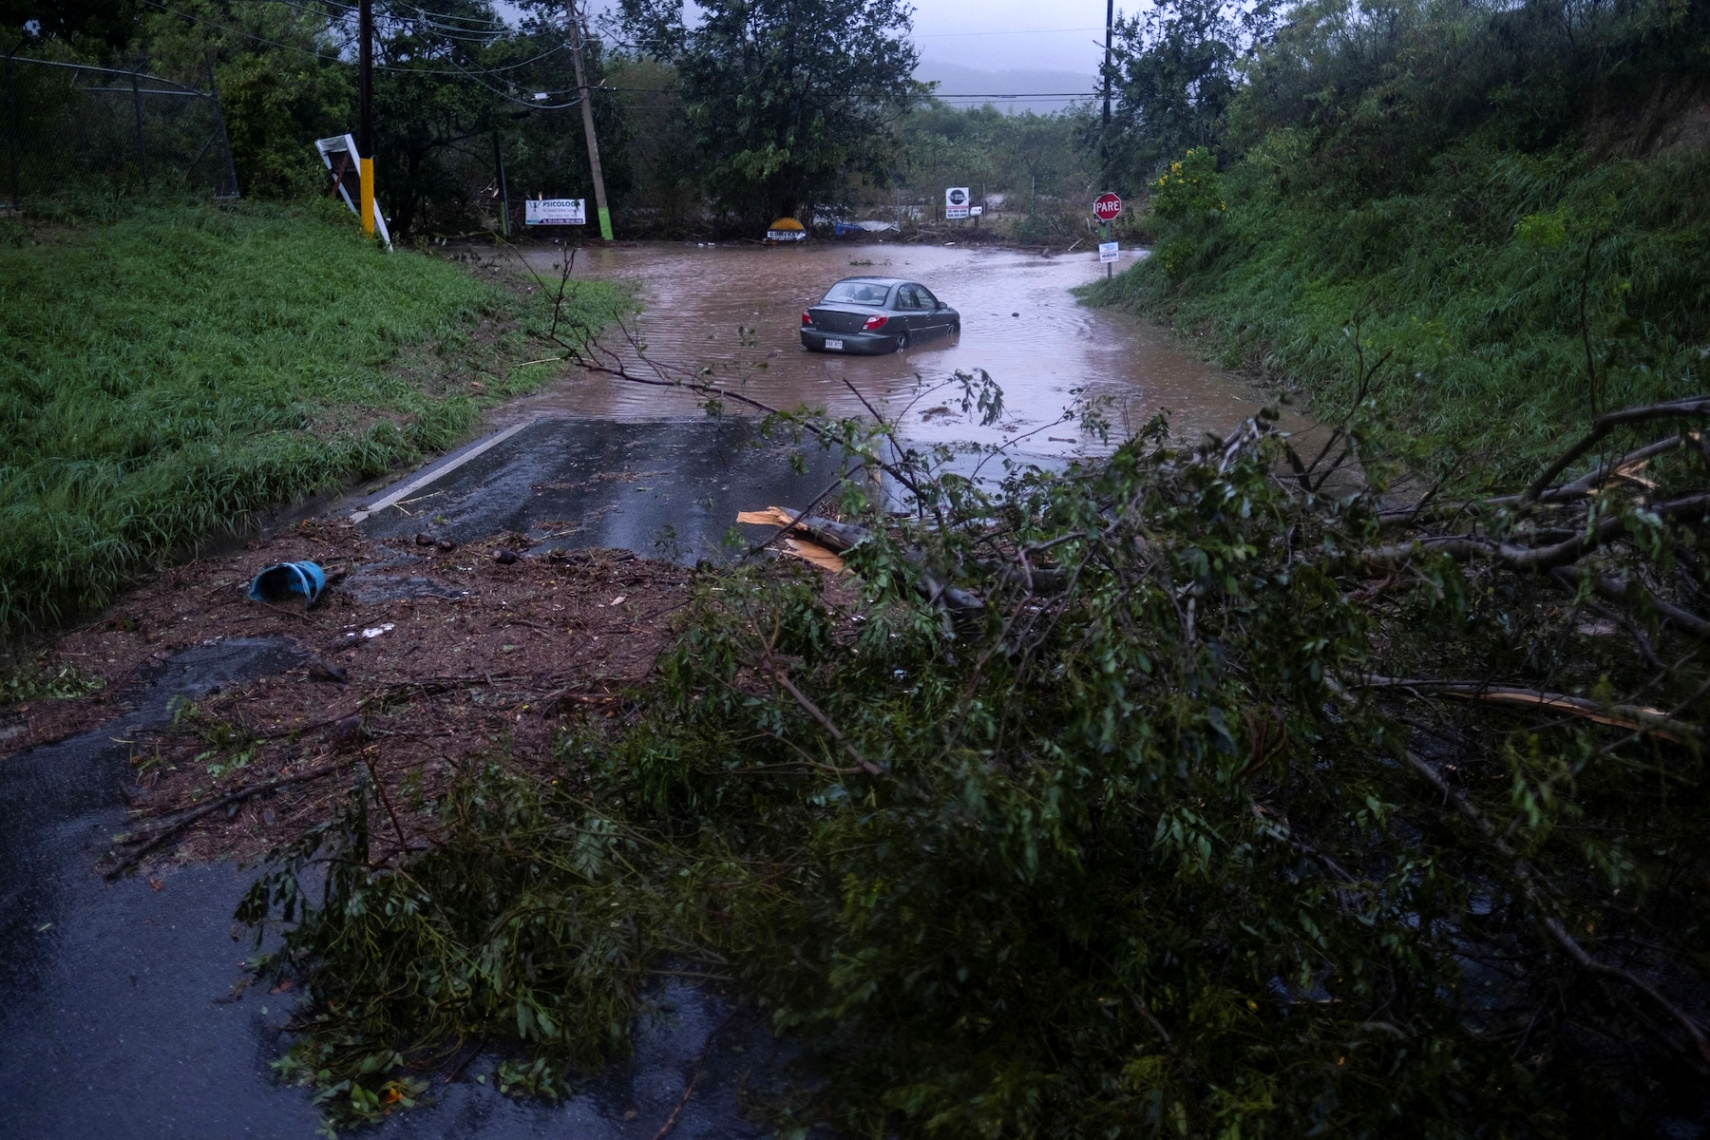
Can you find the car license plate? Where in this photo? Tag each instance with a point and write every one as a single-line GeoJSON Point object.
{"type": "Point", "coordinates": [833, 345]}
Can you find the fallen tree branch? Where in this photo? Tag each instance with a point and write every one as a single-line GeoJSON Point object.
{"type": "Point", "coordinates": [777, 674]}
{"type": "Point", "coordinates": [694, 1078]}
{"type": "Point", "coordinates": [1581, 488]}
{"type": "Point", "coordinates": [178, 826]}
{"type": "Point", "coordinates": [1529, 559]}
{"type": "Point", "coordinates": [1606, 423]}
{"type": "Point", "coordinates": [1615, 589]}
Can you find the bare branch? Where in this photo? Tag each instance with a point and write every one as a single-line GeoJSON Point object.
{"type": "Point", "coordinates": [1606, 423]}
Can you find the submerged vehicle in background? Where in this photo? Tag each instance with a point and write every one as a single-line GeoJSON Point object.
{"type": "Point", "coordinates": [873, 315]}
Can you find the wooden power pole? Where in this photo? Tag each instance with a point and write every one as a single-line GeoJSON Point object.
{"type": "Point", "coordinates": [365, 111]}
{"type": "Point", "coordinates": [588, 121]}
{"type": "Point", "coordinates": [1104, 136]}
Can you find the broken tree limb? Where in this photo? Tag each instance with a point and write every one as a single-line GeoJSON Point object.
{"type": "Point", "coordinates": [1634, 718]}
{"type": "Point", "coordinates": [1606, 423]}
{"type": "Point", "coordinates": [178, 825]}
{"type": "Point", "coordinates": [1531, 559]}
{"type": "Point", "coordinates": [839, 537]}
{"type": "Point", "coordinates": [1619, 590]}
{"type": "Point", "coordinates": [1582, 488]}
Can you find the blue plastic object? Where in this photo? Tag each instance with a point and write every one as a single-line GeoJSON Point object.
{"type": "Point", "coordinates": [288, 579]}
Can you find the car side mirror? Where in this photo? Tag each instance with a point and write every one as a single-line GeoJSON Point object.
{"type": "Point", "coordinates": [941, 305]}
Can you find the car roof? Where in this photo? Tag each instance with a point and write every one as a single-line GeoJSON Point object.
{"type": "Point", "coordinates": [885, 281]}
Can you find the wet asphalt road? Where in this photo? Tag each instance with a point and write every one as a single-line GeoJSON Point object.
{"type": "Point", "coordinates": [117, 1010]}
{"type": "Point", "coordinates": [109, 1024]}
{"type": "Point", "coordinates": [662, 488]}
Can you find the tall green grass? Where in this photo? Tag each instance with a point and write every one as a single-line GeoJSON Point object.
{"type": "Point", "coordinates": [165, 376]}
{"type": "Point", "coordinates": [1472, 285]}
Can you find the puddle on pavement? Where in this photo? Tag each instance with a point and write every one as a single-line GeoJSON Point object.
{"type": "Point", "coordinates": [1020, 323]}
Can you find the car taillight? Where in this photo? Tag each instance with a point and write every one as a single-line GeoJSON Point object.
{"type": "Point", "coordinates": [807, 317]}
{"type": "Point", "coordinates": [875, 323]}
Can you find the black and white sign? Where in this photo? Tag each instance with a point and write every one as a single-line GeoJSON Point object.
{"type": "Point", "coordinates": [956, 202]}
{"type": "Point", "coordinates": [555, 212]}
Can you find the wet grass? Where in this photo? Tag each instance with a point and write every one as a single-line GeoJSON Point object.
{"type": "Point", "coordinates": [1509, 296]}
{"type": "Point", "coordinates": [167, 375]}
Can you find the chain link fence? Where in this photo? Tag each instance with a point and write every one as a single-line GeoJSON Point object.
{"type": "Point", "coordinates": [73, 127]}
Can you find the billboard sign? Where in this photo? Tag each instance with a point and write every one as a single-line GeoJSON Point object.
{"type": "Point", "coordinates": [956, 200]}
{"type": "Point", "coordinates": [555, 211]}
{"type": "Point", "coordinates": [339, 154]}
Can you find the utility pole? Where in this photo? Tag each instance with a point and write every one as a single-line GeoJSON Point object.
{"type": "Point", "coordinates": [1104, 137]}
{"type": "Point", "coordinates": [588, 120]}
{"type": "Point", "coordinates": [504, 191]}
{"type": "Point", "coordinates": [365, 111]}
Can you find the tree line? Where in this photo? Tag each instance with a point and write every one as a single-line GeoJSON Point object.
{"type": "Point", "coordinates": [760, 109]}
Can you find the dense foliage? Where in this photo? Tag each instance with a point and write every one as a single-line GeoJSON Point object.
{"type": "Point", "coordinates": [1098, 810]}
{"type": "Point", "coordinates": [1506, 202]}
{"type": "Point", "coordinates": [759, 109]}
{"type": "Point", "coordinates": [1176, 71]}
{"type": "Point", "coordinates": [783, 97]}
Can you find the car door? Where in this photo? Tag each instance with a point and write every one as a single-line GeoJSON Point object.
{"type": "Point", "coordinates": [913, 311]}
{"type": "Point", "coordinates": [933, 319]}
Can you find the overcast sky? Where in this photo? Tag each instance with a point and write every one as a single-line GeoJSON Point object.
{"type": "Point", "coordinates": [999, 35]}
{"type": "Point", "coordinates": [1005, 35]}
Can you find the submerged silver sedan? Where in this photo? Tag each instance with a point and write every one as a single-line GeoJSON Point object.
{"type": "Point", "coordinates": [871, 315]}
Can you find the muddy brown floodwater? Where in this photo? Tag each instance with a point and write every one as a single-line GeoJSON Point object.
{"type": "Point", "coordinates": [738, 310]}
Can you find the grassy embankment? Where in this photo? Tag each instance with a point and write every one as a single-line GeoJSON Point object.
{"type": "Point", "coordinates": [166, 376]}
{"type": "Point", "coordinates": [1484, 286]}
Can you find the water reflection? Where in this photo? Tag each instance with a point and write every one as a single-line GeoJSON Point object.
{"type": "Point", "coordinates": [737, 310]}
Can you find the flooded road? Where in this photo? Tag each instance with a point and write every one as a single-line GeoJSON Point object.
{"type": "Point", "coordinates": [121, 1006]}
{"type": "Point", "coordinates": [737, 309]}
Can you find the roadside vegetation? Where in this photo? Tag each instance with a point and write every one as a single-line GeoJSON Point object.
{"type": "Point", "coordinates": [1221, 787]}
{"type": "Point", "coordinates": [1179, 794]}
{"type": "Point", "coordinates": [1508, 206]}
{"type": "Point", "coordinates": [172, 373]}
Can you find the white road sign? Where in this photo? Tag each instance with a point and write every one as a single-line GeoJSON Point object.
{"type": "Point", "coordinates": [956, 201]}
{"type": "Point", "coordinates": [1107, 251]}
{"type": "Point", "coordinates": [556, 212]}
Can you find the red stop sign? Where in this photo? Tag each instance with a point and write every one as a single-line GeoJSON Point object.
{"type": "Point", "coordinates": [1107, 206]}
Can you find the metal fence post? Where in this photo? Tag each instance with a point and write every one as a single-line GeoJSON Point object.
{"type": "Point", "coordinates": [220, 122]}
{"type": "Point", "coordinates": [12, 126]}
{"type": "Point", "coordinates": [142, 143]}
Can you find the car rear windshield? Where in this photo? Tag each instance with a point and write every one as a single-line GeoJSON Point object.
{"type": "Point", "coordinates": [858, 293]}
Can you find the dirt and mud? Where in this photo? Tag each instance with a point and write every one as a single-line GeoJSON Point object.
{"type": "Point", "coordinates": [417, 662]}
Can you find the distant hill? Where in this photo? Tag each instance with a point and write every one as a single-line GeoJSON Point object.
{"type": "Point", "coordinates": [954, 79]}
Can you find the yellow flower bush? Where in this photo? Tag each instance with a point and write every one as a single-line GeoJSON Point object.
{"type": "Point", "coordinates": [1190, 186]}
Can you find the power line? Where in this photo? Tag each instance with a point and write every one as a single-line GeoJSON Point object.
{"type": "Point", "coordinates": [1011, 32]}
{"type": "Point", "coordinates": [393, 67]}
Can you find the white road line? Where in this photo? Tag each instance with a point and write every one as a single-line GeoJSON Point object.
{"type": "Point", "coordinates": [434, 475]}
